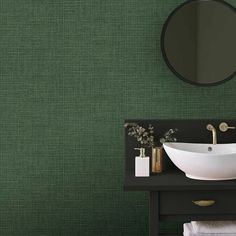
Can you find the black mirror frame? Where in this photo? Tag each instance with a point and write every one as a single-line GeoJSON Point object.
{"type": "Point", "coordinates": [163, 47]}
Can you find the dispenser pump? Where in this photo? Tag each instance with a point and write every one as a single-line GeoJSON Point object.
{"type": "Point", "coordinates": [142, 164]}
{"type": "Point", "coordinates": [142, 152]}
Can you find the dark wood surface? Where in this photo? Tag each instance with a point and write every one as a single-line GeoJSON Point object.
{"type": "Point", "coordinates": [171, 180]}
{"type": "Point", "coordinates": [182, 202]}
{"type": "Point", "coordinates": [154, 216]}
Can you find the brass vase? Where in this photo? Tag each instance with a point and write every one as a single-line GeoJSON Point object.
{"type": "Point", "coordinates": [157, 160]}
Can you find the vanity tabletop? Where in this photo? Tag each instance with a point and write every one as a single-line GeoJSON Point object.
{"type": "Point", "coordinates": [173, 180]}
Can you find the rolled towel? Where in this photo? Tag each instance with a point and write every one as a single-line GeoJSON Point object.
{"type": "Point", "coordinates": [214, 227]}
{"type": "Point", "coordinates": [188, 231]}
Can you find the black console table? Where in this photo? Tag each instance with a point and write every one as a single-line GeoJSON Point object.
{"type": "Point", "coordinates": [173, 196]}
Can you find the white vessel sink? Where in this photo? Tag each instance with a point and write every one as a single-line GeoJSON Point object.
{"type": "Point", "coordinates": [204, 161]}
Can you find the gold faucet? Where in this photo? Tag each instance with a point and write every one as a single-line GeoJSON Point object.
{"type": "Point", "coordinates": [211, 128]}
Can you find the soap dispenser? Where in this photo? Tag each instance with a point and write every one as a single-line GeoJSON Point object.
{"type": "Point", "coordinates": [142, 164]}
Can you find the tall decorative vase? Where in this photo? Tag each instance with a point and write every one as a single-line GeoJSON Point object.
{"type": "Point", "coordinates": [157, 160]}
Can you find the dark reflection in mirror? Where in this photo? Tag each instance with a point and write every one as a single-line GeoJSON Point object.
{"type": "Point", "coordinates": [199, 41]}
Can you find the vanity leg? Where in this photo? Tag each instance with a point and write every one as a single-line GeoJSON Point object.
{"type": "Point", "coordinates": [154, 214]}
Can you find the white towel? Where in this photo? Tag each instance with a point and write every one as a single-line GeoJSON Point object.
{"type": "Point", "coordinates": [188, 231]}
{"type": "Point", "coordinates": [218, 227]}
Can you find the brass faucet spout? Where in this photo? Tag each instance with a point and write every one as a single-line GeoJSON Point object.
{"type": "Point", "coordinates": [211, 128]}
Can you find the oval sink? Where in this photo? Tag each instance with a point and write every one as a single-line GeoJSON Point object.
{"type": "Point", "coordinates": [204, 161]}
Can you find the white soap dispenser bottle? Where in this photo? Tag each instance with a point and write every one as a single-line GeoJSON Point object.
{"type": "Point", "coordinates": [142, 164]}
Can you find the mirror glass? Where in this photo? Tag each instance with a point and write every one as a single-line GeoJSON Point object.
{"type": "Point", "coordinates": [199, 41]}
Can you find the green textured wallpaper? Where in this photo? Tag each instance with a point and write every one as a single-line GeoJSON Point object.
{"type": "Point", "coordinates": [70, 72]}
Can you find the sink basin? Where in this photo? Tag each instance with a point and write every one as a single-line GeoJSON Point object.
{"type": "Point", "coordinates": [204, 161]}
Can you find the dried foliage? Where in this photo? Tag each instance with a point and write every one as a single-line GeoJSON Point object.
{"type": "Point", "coordinates": [145, 135]}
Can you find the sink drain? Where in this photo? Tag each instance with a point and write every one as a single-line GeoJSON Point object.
{"type": "Point", "coordinates": [209, 149]}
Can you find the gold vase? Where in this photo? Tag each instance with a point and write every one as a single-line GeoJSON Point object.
{"type": "Point", "coordinates": [157, 160]}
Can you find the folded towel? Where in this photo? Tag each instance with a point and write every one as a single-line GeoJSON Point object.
{"type": "Point", "coordinates": [188, 231]}
{"type": "Point", "coordinates": [219, 227]}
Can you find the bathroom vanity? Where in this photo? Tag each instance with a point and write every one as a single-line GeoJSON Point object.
{"type": "Point", "coordinates": [173, 196]}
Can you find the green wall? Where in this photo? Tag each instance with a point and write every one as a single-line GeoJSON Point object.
{"type": "Point", "coordinates": [71, 72]}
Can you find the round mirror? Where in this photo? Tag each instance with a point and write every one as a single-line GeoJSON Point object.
{"type": "Point", "coordinates": [199, 41]}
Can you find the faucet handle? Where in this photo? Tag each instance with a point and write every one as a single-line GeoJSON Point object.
{"type": "Point", "coordinates": [224, 127]}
